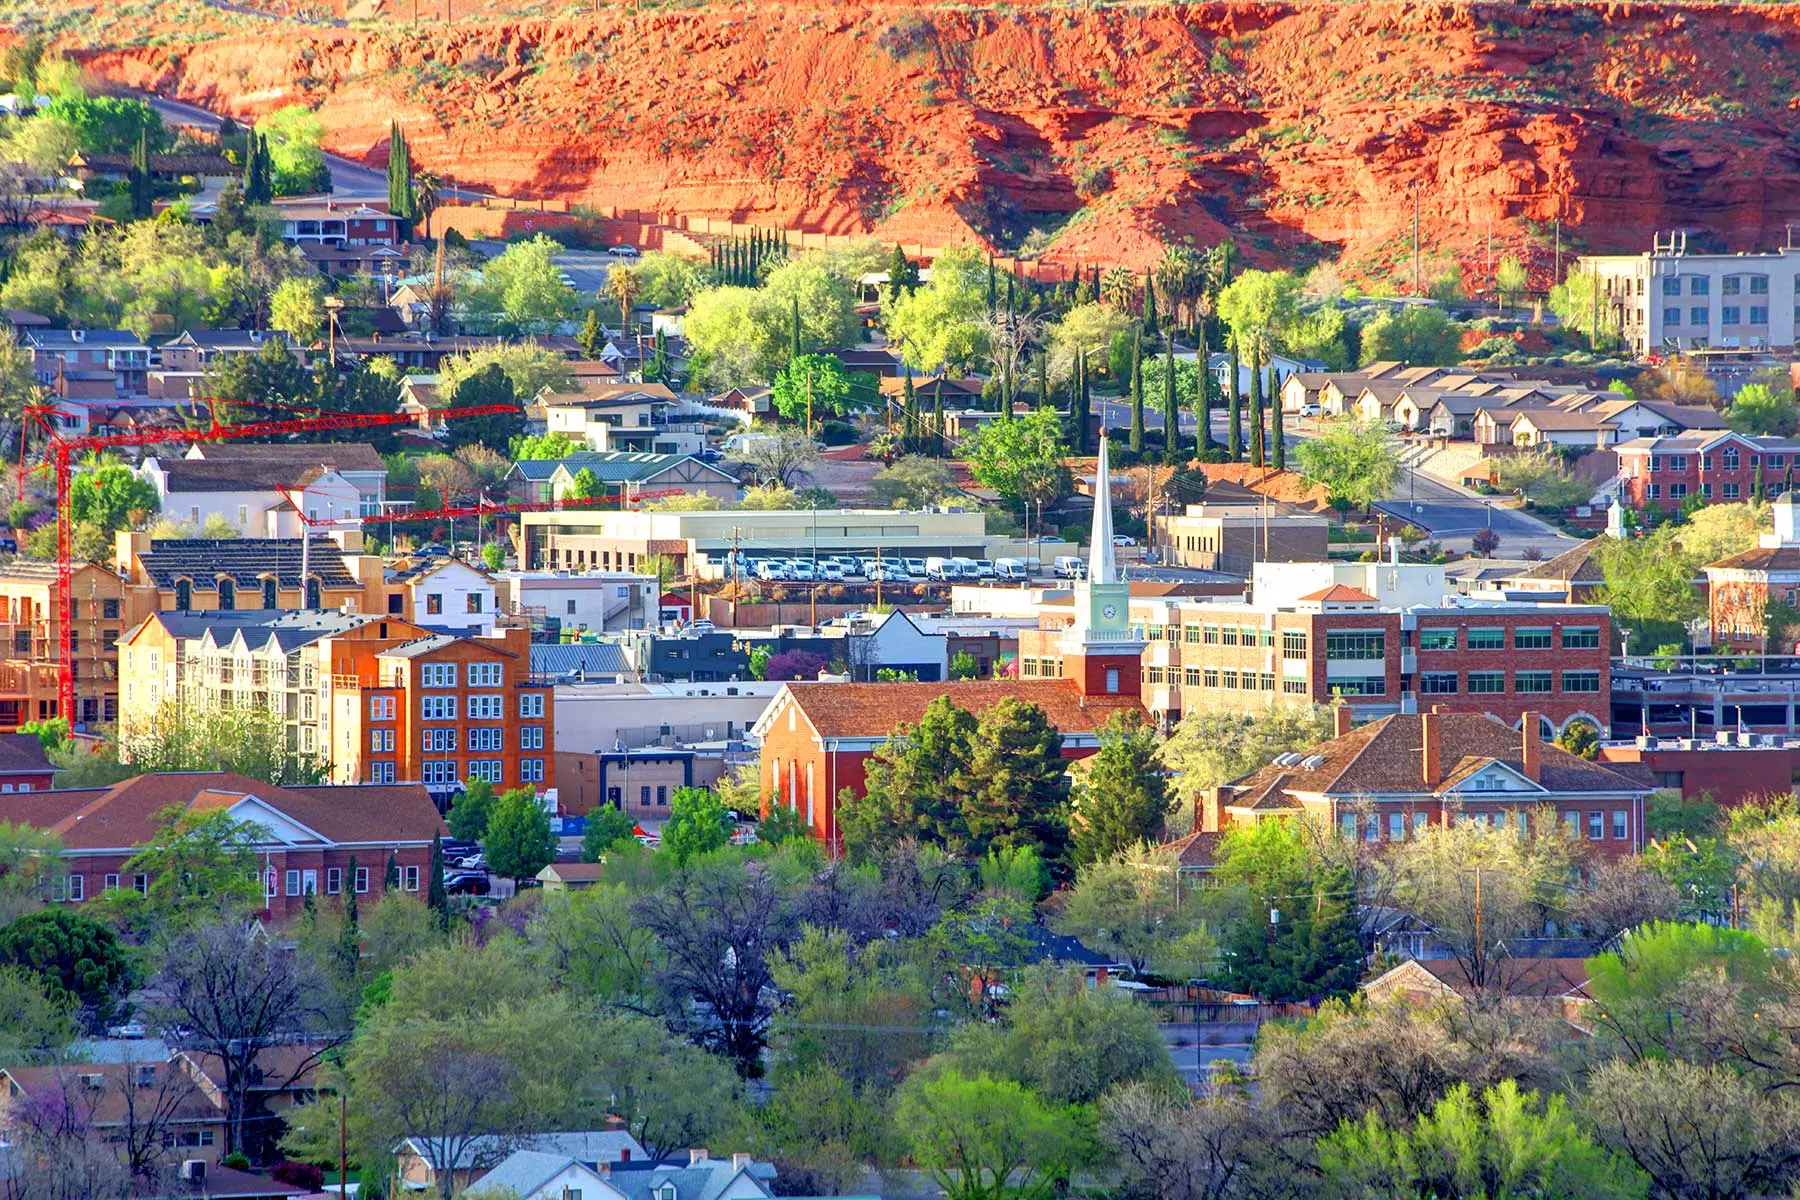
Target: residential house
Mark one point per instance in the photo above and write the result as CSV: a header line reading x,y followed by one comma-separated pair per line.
x,y
426,353
1662,472
328,223
210,171
131,1105
24,766
308,834
55,351
1301,390
1555,987
441,592
382,262
101,609
880,361
753,402
205,349
929,389
1552,427
1275,372
894,641
1742,588
627,475
258,499
1574,576
570,877
609,416
418,1160
558,602
357,462
280,1078
1389,779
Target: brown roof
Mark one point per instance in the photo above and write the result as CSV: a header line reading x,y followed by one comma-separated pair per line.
x,y
1386,757
277,1068
125,814
1556,418
1518,977
22,752
1198,850
104,1103
340,456
872,710
1763,558
1575,565
578,872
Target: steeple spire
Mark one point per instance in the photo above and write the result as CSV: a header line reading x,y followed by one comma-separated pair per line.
x,y
1101,568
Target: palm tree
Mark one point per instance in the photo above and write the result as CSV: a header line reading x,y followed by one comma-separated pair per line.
x,y
425,197
620,285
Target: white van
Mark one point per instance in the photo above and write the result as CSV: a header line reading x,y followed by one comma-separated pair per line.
x,y
965,569
1070,567
940,568
1011,568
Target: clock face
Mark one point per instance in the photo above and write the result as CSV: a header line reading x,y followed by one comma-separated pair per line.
x,y
1109,612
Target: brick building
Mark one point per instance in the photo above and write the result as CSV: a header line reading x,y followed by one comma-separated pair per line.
x,y
1728,769
443,710
102,607
1387,780
1499,658
311,832
1740,588
1665,472
817,737
1231,537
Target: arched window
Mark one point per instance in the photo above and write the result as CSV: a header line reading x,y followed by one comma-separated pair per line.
x,y
270,599
313,599
184,596
227,594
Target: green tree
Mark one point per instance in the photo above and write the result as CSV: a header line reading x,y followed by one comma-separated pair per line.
x,y
468,816
1019,793
487,386
698,824
298,308
1353,461
584,486
1759,409
1137,392
519,841
606,827
741,335
37,1020
138,180
1086,329
1211,746
531,367
290,138
522,288
914,781
401,200
30,858
106,124
1130,905
245,741
1649,583
963,665
437,897
985,1139
1417,334
541,447
592,337
106,495
199,867
493,556
1542,478
1504,1144
1510,280
812,385
941,326
1006,455
76,957
1309,946
1121,798
913,481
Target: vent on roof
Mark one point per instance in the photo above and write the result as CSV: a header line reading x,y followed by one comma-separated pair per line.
x,y
1286,759
1313,762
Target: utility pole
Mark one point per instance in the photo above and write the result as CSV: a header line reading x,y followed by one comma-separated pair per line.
x,y
1480,955
1415,198
343,1136
736,559
1556,271
1594,340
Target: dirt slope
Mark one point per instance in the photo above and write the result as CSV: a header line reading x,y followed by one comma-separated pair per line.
x,y
1300,128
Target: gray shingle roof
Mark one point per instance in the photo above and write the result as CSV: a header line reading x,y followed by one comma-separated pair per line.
x,y
588,1146
591,658
244,560
523,1172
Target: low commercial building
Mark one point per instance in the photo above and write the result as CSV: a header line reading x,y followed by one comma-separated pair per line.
x,y
580,601
629,475
1728,769
311,834
1388,780
1235,537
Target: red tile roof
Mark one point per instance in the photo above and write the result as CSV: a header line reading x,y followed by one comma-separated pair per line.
x,y
125,814
872,710
1340,593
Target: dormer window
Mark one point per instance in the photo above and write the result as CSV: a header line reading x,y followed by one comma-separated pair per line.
x,y
665,1191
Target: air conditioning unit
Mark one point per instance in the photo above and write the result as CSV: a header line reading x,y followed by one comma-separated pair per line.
x,y
93,1082
193,1170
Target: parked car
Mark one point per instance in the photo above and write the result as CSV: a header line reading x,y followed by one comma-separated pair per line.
x,y
711,454
1124,539
831,570
965,569
770,569
467,883
622,251
803,571
1311,410
1070,567
474,862
914,567
131,1029
940,568
1011,568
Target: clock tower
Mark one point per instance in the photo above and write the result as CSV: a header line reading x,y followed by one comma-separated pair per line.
x,y
1100,651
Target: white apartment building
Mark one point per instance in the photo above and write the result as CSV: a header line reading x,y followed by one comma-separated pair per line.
x,y
1668,300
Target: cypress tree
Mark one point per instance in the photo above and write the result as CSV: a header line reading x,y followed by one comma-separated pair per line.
x,y
1171,411
1043,380
589,339
909,414
1150,326
1137,391
1203,399
399,174
390,879
265,171
1085,414
1756,482
939,441
991,296
659,361
1012,305
1278,436
349,950
437,898
794,350
1234,433
1787,478
897,264
142,199
250,168
1096,281
1258,456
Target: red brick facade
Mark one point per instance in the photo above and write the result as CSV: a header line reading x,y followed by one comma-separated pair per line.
x,y
1718,467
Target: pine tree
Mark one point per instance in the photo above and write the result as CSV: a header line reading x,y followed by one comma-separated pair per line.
x,y
1171,411
992,295
1234,405
142,198
897,265
265,170
1084,294
1137,391
590,338
1085,416
1095,276
436,897
1278,436
1149,303
1203,400
399,174
250,173
659,358
1258,456
390,879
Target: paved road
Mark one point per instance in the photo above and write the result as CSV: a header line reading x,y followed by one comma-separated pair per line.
x,y
1454,516
1195,1061
348,177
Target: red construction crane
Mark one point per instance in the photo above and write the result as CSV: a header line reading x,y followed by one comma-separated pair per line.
x,y
59,451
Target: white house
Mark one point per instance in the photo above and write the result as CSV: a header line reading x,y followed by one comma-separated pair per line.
x,y
253,498
443,593
892,641
537,1175
1275,371
583,600
284,462
609,416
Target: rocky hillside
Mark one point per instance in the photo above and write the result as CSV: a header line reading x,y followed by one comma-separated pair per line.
x,y
1096,134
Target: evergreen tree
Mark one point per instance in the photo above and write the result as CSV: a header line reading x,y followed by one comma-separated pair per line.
x,y
1137,391
992,297
902,275
399,174
794,351
1203,395
1084,415
142,198
909,414
592,337
1310,949
1756,482
1258,456
659,358
1278,436
1234,415
1123,798
390,879
1171,409
939,441
1084,292
349,952
1095,278
1043,380
250,149
437,898
1149,303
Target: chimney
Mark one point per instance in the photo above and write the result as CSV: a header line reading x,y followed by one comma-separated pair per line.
x,y
1212,800
1340,716
1530,747
604,1169
1431,761
740,1162
696,1154
1393,550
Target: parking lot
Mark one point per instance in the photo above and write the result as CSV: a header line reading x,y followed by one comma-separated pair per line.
x,y
851,568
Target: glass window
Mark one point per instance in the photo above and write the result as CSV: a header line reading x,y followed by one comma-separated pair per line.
x,y
1209,634
1671,286
1596,826
1209,677
1671,316
1293,643
1697,316
1438,683
1531,637
1419,821
1729,285
1294,687
1190,634
1621,821
1348,820
1487,637
1531,683
1759,285
1581,637
1759,314
1366,685
1729,458
1228,635
1581,681
1355,644
1487,682
1437,639
1700,286
1731,491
